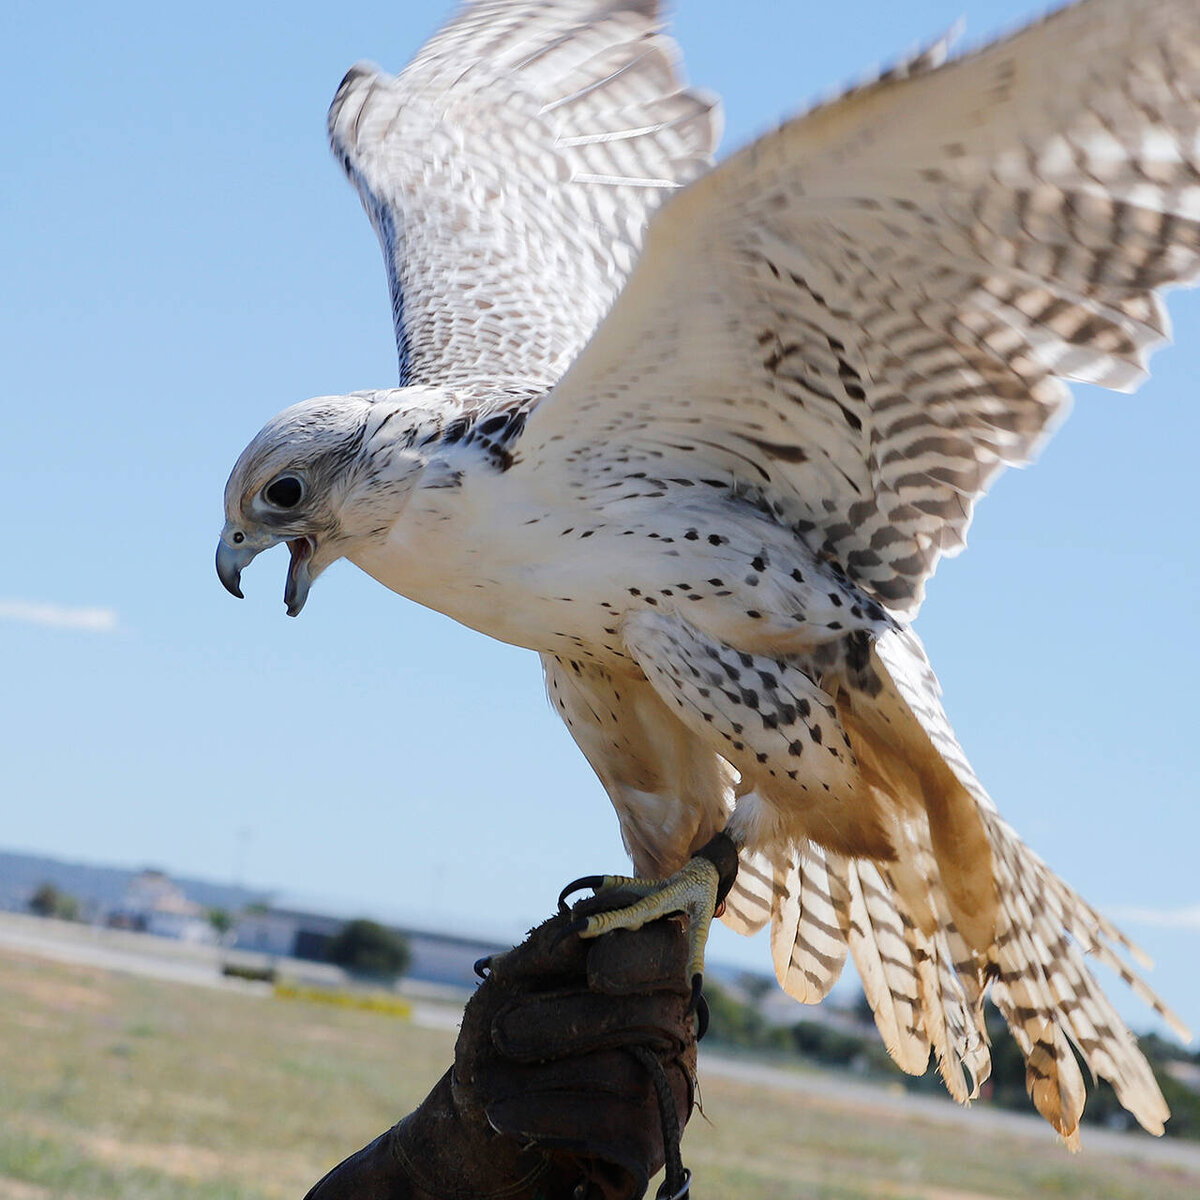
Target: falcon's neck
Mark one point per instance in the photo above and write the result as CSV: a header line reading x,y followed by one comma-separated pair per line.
x,y
471,542
443,520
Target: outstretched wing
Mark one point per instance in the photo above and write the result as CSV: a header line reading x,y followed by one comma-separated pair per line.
x,y
510,171
863,317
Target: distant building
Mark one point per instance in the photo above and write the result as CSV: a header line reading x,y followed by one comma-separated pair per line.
x,y
153,903
289,933
447,958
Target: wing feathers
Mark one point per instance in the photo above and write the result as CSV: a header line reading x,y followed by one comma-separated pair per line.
x,y
509,173
869,313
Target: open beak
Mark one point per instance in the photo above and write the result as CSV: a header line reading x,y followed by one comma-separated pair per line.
x,y
299,580
232,561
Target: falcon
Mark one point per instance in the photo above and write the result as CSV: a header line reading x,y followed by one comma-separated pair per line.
x,y
698,435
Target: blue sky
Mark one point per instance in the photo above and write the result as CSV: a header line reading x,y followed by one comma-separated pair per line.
x,y
183,259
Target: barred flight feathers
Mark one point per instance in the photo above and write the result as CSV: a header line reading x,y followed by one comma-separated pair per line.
x,y
925,980
889,847
509,172
750,901
864,316
810,922
886,966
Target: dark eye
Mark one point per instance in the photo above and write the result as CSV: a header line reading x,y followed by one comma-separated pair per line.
x,y
284,492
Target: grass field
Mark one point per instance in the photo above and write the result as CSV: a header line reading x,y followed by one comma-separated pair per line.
x,y
120,1087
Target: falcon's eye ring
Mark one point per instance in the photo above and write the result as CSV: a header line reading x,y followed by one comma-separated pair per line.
x,y
239,538
285,492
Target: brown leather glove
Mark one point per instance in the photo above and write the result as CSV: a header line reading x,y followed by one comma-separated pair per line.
x,y
564,1053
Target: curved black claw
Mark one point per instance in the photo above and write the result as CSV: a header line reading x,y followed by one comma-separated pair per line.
x,y
697,985
481,966
588,881
701,1018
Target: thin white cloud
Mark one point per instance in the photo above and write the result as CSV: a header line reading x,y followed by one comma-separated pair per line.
x,y
59,616
1161,918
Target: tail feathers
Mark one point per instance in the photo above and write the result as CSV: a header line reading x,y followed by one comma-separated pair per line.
x,y
887,967
1042,928
810,922
750,900
930,995
1046,993
1093,932
926,984
924,988
805,896
951,998
954,1005
961,906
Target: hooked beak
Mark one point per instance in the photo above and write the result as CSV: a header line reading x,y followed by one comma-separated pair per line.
x,y
232,561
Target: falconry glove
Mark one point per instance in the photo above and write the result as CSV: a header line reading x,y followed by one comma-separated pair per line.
x,y
573,1077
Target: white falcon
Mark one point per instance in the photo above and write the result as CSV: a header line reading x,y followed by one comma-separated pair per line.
x,y
699,435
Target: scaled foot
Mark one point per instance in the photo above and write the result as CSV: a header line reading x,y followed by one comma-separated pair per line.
x,y
696,890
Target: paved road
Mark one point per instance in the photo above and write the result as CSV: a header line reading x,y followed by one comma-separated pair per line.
x,y
118,950
180,962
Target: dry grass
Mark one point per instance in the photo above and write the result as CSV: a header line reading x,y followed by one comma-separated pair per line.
x,y
115,1087
777,1146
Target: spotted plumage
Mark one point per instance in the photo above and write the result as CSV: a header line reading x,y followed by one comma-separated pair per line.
x,y
699,436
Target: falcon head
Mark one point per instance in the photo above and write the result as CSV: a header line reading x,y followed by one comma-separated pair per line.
x,y
297,482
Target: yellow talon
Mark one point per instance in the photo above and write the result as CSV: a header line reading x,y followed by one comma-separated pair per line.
x,y
692,891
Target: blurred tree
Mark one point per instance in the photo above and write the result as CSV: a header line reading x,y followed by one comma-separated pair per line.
x,y
221,920
368,948
48,901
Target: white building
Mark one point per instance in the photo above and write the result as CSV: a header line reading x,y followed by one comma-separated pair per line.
x,y
154,904
286,933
